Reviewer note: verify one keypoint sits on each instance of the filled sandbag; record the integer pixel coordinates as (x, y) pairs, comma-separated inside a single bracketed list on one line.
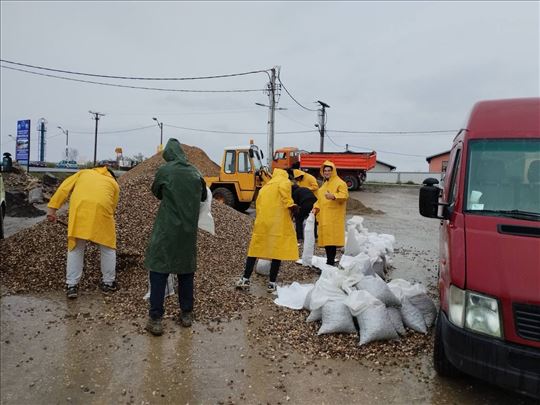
[(394, 313), (426, 306), (379, 289), (412, 317), (263, 267), (336, 318), (315, 315)]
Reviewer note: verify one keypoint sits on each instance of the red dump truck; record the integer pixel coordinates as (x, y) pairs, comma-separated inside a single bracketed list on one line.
[(351, 166)]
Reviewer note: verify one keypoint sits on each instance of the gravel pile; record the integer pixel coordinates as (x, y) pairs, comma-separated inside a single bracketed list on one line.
[(355, 207), (33, 260)]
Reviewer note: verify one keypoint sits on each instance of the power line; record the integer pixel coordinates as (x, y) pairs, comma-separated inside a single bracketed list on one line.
[(291, 96), (393, 132), (377, 150), (133, 77), (235, 132), (112, 132), (132, 87)]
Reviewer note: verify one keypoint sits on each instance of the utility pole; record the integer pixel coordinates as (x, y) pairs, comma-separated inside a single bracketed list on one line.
[(160, 125), (271, 113), (322, 122), (42, 130), (66, 132), (96, 117)]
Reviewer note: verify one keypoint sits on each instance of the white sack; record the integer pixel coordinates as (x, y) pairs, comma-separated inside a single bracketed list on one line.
[(327, 287), (309, 240), (293, 296), (402, 288), (263, 267), (394, 314), (426, 306), (378, 288), (352, 245), (315, 315), (375, 324), (206, 221), (169, 287), (372, 317), (412, 317), (359, 264), (336, 318)]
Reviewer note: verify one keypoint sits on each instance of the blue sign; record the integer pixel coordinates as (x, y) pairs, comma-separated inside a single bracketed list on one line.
[(22, 149)]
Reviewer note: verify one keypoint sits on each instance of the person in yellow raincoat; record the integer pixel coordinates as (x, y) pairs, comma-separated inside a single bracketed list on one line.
[(330, 209), (306, 180), (273, 234), (94, 197)]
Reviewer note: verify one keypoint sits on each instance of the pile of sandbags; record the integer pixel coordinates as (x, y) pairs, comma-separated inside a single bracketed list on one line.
[(354, 297)]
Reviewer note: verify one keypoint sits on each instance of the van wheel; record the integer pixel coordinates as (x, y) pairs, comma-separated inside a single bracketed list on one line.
[(351, 181), (224, 195), (442, 365)]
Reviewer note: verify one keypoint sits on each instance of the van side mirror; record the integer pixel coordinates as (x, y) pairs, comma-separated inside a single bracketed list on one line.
[(429, 198), (250, 152)]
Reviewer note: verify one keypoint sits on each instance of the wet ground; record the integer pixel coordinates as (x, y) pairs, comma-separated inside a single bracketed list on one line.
[(58, 351)]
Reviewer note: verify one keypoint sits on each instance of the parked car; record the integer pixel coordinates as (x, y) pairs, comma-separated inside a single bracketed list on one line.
[(2, 206), (38, 164), (489, 255), (67, 164)]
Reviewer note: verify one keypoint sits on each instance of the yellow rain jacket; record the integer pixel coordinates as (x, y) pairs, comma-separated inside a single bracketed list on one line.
[(307, 180), (94, 196), (273, 234), (331, 217)]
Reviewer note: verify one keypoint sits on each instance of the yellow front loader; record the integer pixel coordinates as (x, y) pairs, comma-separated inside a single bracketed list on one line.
[(241, 176)]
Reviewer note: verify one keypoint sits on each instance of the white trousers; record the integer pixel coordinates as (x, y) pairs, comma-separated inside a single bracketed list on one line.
[(75, 261)]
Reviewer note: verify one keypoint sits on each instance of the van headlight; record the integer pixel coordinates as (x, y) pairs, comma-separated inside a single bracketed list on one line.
[(474, 311)]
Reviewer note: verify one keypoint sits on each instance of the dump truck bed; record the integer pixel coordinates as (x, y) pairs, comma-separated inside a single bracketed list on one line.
[(342, 160)]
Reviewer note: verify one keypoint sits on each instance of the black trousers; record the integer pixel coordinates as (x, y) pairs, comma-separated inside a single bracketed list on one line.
[(274, 268), (330, 254), (158, 282)]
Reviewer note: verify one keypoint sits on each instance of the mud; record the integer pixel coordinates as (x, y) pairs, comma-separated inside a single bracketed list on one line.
[(55, 351)]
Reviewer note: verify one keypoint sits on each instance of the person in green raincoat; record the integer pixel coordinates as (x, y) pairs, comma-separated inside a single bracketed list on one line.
[(330, 209), (173, 244), (273, 236)]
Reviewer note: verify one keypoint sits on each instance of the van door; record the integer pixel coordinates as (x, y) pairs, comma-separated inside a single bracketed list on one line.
[(452, 235)]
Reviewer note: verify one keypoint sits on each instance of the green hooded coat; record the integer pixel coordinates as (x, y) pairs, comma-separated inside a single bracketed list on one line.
[(173, 243)]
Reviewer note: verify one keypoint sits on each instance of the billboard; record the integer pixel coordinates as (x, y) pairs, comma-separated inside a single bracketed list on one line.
[(22, 149)]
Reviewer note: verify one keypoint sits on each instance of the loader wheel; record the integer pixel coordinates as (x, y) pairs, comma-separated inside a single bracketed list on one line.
[(224, 195), (242, 206), (352, 182)]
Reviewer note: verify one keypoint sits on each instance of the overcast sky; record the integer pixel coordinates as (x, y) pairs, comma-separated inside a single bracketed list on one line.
[(381, 66)]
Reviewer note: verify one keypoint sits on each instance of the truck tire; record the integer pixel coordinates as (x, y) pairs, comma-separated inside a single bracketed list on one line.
[(352, 182), (224, 195), (442, 365)]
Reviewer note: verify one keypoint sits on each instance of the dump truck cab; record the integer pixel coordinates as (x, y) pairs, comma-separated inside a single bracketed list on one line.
[(242, 174), (285, 157)]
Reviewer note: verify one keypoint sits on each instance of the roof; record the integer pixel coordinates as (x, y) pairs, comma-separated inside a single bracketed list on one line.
[(386, 164), (503, 118), (438, 154)]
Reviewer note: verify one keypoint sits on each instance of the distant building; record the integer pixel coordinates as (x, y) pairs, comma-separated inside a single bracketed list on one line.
[(437, 163), (383, 167)]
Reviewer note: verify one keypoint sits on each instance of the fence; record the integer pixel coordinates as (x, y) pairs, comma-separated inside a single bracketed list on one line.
[(401, 177)]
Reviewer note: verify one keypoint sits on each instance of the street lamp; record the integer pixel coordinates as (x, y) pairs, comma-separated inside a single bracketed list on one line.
[(160, 125), (66, 132)]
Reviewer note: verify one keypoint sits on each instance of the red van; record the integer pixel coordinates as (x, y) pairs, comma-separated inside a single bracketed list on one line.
[(489, 267)]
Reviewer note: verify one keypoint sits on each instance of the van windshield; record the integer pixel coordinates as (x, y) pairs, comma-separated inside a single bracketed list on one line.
[(503, 178)]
